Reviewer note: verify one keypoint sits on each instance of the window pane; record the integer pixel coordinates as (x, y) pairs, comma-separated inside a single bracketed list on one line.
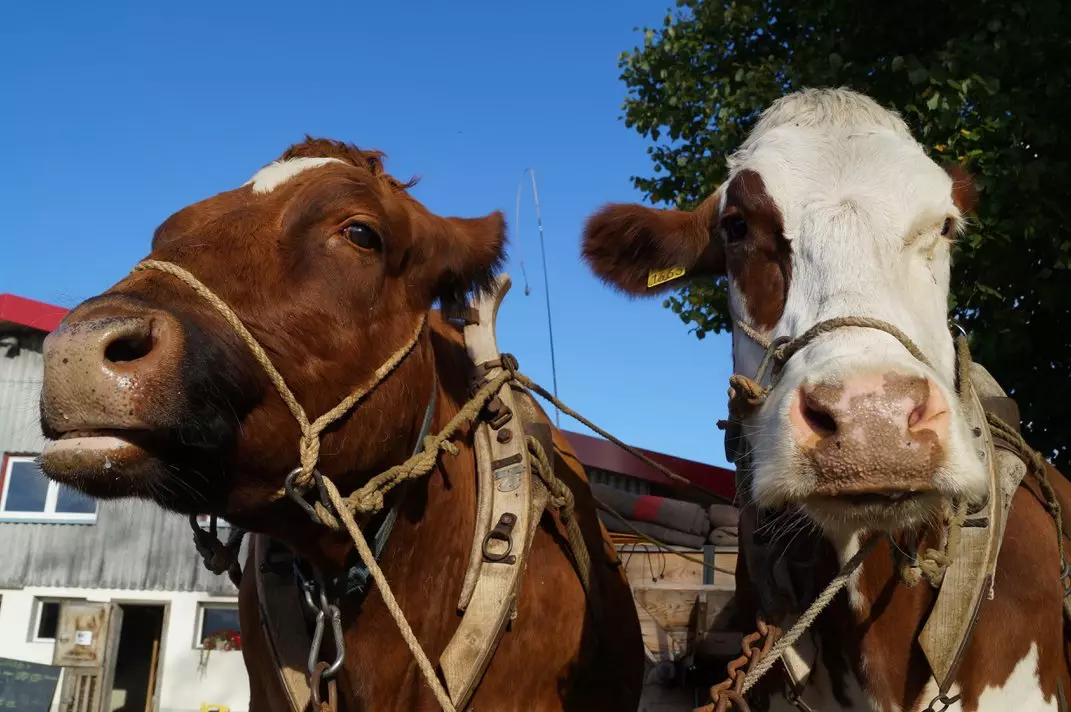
[(48, 620), (217, 620), (27, 487), (70, 501)]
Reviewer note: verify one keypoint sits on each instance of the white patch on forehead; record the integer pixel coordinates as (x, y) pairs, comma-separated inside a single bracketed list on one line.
[(276, 173)]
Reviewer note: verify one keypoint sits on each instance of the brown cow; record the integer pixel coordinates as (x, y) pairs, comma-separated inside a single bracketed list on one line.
[(832, 212), (330, 263)]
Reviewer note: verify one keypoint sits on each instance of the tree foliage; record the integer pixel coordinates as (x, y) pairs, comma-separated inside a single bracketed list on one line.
[(983, 83)]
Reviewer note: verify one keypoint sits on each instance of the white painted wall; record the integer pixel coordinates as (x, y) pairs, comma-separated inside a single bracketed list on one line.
[(182, 687)]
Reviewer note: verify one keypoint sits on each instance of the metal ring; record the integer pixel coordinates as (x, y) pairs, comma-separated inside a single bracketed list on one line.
[(495, 535), (956, 325)]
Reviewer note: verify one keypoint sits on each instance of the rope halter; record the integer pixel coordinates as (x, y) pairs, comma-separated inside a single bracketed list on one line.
[(311, 431)]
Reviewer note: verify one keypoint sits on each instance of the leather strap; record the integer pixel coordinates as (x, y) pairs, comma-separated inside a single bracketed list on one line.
[(282, 623), (969, 579)]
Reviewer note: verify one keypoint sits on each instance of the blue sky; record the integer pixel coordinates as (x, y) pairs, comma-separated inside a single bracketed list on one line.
[(117, 114)]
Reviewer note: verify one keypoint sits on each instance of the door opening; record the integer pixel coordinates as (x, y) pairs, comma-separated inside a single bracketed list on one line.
[(138, 659)]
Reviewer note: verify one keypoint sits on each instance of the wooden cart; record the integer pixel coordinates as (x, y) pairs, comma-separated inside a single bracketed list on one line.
[(685, 611)]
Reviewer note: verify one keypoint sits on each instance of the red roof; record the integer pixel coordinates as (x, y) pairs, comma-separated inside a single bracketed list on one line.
[(593, 452), (30, 313), (604, 455)]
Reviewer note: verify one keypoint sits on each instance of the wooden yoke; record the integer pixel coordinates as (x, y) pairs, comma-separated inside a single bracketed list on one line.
[(504, 516)]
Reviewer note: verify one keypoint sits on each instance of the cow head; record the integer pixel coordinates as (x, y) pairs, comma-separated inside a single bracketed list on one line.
[(830, 209), (331, 265)]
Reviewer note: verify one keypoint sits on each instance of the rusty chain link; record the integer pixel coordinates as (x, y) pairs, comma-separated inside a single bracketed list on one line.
[(729, 694)]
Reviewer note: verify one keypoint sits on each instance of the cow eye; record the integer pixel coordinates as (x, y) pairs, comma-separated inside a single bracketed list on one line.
[(947, 226), (735, 228), (363, 236)]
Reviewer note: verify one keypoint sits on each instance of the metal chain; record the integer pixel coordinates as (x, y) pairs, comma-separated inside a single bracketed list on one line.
[(729, 694), (326, 613)]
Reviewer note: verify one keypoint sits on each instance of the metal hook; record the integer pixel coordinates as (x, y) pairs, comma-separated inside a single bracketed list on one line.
[(290, 487)]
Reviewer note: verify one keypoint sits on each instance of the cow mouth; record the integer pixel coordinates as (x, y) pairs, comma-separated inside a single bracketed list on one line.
[(885, 510), (102, 462)]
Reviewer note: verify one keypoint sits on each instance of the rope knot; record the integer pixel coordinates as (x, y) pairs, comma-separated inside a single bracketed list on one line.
[(745, 396), (367, 502), (931, 566), (217, 556), (430, 445), (509, 363)]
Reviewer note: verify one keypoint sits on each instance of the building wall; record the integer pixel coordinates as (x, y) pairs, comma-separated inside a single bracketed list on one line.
[(182, 686), (135, 552), (21, 371)]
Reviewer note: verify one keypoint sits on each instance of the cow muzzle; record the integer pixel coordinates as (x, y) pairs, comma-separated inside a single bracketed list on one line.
[(875, 445), (871, 436), (109, 370)]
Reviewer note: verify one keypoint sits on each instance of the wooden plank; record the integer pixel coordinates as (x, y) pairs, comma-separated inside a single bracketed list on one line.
[(643, 562), (663, 644), (671, 605)]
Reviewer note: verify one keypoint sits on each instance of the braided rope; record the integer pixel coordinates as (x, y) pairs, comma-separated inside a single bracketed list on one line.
[(562, 499), (812, 613), (310, 431)]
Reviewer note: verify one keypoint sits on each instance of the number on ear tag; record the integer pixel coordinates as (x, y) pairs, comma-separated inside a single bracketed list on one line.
[(660, 276)]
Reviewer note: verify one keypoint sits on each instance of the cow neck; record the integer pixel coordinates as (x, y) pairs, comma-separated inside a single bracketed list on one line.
[(348, 575), (426, 552)]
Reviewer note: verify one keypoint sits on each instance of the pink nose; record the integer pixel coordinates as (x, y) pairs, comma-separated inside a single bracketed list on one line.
[(872, 432)]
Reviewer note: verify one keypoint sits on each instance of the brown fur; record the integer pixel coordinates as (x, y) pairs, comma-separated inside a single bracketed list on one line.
[(761, 264), (219, 440), (623, 243)]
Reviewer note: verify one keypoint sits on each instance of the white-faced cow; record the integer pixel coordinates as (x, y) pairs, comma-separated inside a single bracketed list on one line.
[(331, 265), (833, 214)]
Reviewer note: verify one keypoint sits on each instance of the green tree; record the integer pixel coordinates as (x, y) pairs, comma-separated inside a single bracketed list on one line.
[(982, 83)]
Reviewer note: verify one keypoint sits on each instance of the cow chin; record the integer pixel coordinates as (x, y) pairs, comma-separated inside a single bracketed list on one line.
[(786, 478), (120, 465)]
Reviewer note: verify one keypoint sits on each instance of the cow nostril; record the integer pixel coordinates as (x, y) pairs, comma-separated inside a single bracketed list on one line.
[(819, 420), (130, 347)]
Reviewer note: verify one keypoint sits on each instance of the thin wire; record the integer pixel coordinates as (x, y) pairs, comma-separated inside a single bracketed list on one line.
[(517, 237), (546, 290)]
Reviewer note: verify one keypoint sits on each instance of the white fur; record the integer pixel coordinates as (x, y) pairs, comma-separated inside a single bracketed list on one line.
[(1020, 692), (276, 173), (863, 207)]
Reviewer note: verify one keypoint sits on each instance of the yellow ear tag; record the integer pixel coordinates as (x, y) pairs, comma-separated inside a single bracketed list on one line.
[(660, 276)]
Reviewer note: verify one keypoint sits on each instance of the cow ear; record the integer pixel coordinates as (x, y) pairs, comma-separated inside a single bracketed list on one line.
[(466, 255), (643, 250), (964, 194)]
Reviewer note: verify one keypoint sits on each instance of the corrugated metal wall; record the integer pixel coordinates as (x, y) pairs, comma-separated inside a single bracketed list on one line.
[(21, 370), (133, 545)]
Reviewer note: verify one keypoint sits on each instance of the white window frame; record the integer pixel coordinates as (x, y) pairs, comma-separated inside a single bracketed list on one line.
[(51, 497), (38, 609), (199, 637)]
